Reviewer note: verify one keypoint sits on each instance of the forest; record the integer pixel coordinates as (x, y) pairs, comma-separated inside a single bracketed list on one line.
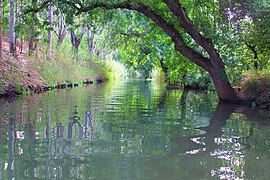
[(217, 45)]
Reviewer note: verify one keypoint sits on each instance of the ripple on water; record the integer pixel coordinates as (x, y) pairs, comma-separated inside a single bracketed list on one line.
[(133, 130)]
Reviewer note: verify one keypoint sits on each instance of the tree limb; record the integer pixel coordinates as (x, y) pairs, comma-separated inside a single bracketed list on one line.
[(186, 23), (36, 10), (169, 29)]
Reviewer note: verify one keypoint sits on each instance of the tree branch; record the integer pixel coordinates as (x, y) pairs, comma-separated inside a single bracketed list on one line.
[(36, 10), (185, 22), (252, 48), (72, 4), (169, 29)]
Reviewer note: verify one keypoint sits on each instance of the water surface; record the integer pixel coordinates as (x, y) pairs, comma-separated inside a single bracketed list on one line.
[(131, 130)]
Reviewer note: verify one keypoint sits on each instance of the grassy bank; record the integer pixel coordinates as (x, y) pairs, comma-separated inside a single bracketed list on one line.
[(24, 74), (61, 71), (40, 75)]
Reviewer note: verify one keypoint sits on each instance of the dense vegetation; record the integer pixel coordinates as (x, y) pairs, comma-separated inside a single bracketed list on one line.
[(193, 43)]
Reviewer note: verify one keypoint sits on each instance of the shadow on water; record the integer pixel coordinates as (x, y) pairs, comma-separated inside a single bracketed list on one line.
[(216, 123), (210, 144)]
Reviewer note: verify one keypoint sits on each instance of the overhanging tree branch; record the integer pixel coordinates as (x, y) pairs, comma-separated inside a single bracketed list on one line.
[(74, 5), (213, 65), (39, 8), (185, 22), (169, 29)]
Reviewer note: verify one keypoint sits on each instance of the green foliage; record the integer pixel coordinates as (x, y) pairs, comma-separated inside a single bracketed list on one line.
[(142, 46), (63, 67), (66, 70), (263, 74), (115, 70), (129, 37), (19, 89), (253, 105)]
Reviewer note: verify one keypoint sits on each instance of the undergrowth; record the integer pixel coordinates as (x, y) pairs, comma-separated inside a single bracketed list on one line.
[(25, 73), (262, 74), (63, 69)]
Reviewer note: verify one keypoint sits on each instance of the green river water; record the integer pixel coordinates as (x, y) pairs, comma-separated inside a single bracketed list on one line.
[(131, 130)]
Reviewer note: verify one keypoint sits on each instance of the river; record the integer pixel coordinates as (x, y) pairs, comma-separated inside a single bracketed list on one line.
[(131, 130)]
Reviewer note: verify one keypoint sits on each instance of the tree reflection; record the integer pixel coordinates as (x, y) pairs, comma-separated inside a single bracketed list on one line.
[(182, 102), (60, 130), (168, 134), (11, 141), (48, 138), (1, 177), (75, 126), (88, 126), (217, 122)]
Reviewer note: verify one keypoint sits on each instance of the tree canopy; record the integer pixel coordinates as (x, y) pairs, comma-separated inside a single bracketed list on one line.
[(191, 42)]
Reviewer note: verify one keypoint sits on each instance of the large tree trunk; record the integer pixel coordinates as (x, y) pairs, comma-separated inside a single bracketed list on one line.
[(16, 19), (20, 21), (223, 87), (1, 31), (76, 48), (214, 65), (11, 27), (62, 35), (75, 42), (50, 12)]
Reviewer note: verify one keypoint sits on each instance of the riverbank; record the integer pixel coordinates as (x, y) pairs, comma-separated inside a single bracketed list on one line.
[(20, 77), (24, 74), (255, 87)]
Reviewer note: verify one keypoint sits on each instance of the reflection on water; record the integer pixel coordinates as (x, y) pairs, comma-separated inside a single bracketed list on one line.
[(131, 130)]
